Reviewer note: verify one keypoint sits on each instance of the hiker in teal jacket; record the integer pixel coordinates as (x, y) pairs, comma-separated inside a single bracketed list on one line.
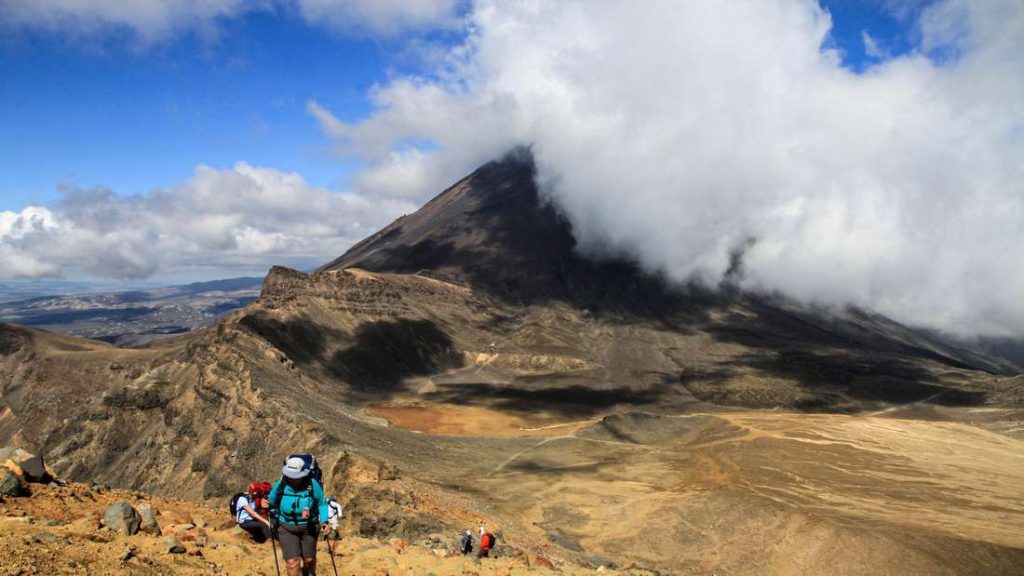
[(301, 515)]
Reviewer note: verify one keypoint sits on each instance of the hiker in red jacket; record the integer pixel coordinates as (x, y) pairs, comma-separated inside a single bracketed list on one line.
[(486, 543)]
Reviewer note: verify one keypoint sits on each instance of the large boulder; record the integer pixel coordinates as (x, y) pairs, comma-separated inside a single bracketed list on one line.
[(31, 465), (10, 483), (149, 524), (122, 518)]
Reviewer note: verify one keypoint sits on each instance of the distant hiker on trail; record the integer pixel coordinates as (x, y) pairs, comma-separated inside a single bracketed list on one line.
[(486, 543), (334, 514), (301, 514), (466, 544), (250, 509)]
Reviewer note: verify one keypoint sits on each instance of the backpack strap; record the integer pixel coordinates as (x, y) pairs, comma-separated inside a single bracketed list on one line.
[(275, 503)]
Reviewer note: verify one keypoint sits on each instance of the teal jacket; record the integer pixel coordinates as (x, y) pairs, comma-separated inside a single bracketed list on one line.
[(290, 503)]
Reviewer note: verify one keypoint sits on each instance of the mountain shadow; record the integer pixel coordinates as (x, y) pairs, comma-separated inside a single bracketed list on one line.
[(386, 353), (375, 359)]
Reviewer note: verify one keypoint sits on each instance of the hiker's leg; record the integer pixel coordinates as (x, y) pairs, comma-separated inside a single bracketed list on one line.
[(309, 541), (291, 550), (259, 531)]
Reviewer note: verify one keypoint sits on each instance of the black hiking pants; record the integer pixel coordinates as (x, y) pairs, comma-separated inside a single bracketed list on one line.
[(260, 532)]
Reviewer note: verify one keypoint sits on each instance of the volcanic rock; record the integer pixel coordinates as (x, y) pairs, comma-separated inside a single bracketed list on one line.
[(121, 517), (10, 483), (31, 465), (149, 525)]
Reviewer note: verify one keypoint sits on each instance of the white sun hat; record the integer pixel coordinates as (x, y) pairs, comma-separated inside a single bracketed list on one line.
[(295, 468)]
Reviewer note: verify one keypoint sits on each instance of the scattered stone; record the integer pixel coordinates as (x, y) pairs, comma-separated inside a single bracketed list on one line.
[(201, 541), (542, 561), (98, 488), (51, 523), (173, 546), (46, 538), (149, 524), (179, 528), (122, 518), (20, 519), (128, 553)]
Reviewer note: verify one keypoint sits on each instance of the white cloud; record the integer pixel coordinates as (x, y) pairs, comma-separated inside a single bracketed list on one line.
[(156, 20), (871, 47), (150, 19), (379, 16), (244, 217), (680, 131)]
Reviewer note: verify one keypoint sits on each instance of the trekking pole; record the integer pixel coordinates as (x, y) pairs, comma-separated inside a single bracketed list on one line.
[(273, 546), (330, 550)]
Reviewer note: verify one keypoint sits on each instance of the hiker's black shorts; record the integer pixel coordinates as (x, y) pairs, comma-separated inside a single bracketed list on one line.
[(260, 532), (298, 541)]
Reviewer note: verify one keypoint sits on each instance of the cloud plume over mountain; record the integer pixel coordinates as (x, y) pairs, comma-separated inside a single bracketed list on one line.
[(687, 133)]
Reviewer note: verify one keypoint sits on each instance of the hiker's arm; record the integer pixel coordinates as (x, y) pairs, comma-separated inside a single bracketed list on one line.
[(274, 495), (318, 494), (255, 514)]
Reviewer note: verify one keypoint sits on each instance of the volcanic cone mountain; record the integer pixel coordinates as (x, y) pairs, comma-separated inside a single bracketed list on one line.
[(466, 364)]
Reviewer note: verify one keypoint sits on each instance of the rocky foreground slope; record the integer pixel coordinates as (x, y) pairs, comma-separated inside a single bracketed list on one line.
[(50, 526)]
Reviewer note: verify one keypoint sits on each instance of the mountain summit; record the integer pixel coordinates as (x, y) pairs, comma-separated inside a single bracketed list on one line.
[(493, 230)]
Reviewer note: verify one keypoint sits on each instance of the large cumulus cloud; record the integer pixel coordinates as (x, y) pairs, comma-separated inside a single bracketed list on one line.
[(220, 220), (686, 132)]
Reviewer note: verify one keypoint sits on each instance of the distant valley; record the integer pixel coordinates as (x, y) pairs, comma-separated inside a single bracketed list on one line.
[(127, 318)]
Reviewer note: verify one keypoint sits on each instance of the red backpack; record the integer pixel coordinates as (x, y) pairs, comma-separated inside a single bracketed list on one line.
[(258, 493)]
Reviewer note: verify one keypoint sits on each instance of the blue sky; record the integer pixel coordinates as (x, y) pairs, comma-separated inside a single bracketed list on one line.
[(103, 110), (134, 119)]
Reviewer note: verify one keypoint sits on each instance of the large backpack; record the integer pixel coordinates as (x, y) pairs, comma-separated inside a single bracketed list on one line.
[(258, 492), (233, 506)]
